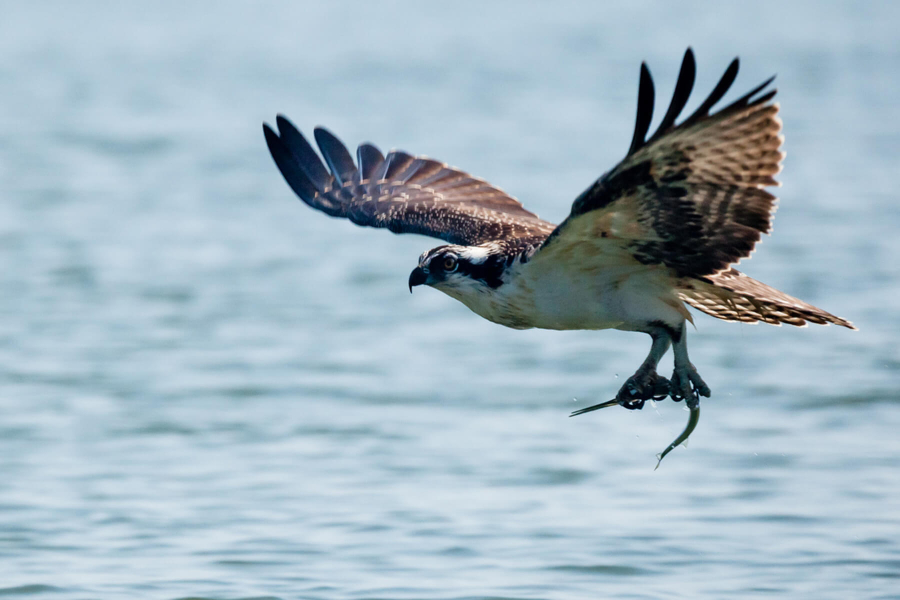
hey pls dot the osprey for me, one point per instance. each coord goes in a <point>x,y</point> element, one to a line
<point>659,230</point>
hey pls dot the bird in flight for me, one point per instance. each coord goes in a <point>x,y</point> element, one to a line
<point>661,229</point>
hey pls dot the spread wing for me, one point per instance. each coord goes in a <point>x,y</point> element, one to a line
<point>400,192</point>
<point>690,197</point>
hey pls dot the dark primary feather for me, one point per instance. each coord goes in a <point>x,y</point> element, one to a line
<point>644,110</point>
<point>680,96</point>
<point>370,158</point>
<point>303,154</point>
<point>721,88</point>
<point>694,191</point>
<point>338,159</point>
<point>400,192</point>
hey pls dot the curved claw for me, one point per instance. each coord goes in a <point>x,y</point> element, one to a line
<point>632,404</point>
<point>693,419</point>
<point>687,383</point>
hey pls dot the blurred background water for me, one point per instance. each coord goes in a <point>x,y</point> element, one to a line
<point>209,390</point>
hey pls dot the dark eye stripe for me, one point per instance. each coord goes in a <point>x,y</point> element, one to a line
<point>489,271</point>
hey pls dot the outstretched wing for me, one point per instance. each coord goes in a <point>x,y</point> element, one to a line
<point>691,197</point>
<point>403,193</point>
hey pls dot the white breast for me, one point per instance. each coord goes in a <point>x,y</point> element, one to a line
<point>566,292</point>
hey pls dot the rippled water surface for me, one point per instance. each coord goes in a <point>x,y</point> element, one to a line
<point>210,391</point>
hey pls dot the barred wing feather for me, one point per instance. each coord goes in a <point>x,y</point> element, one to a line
<point>691,196</point>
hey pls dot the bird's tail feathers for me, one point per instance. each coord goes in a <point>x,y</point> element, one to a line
<point>732,296</point>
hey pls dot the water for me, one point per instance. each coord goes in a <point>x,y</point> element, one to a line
<point>208,390</point>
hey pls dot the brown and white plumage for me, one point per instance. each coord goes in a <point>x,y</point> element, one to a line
<point>399,192</point>
<point>693,198</point>
<point>662,228</point>
<point>733,296</point>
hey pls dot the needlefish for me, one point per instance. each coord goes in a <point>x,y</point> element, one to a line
<point>693,405</point>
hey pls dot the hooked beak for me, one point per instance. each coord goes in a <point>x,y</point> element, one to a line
<point>417,277</point>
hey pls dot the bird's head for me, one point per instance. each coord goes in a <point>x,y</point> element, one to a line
<point>460,271</point>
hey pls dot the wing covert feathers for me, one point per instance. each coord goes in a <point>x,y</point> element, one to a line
<point>399,192</point>
<point>733,296</point>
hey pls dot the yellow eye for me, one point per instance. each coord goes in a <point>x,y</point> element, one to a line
<point>450,264</point>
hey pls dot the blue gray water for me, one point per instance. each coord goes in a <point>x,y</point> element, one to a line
<point>210,391</point>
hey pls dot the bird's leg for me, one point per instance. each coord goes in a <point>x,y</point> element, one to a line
<point>646,384</point>
<point>686,382</point>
